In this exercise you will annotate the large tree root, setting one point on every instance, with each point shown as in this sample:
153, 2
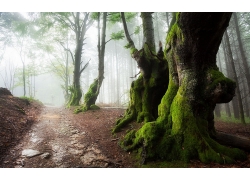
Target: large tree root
233, 140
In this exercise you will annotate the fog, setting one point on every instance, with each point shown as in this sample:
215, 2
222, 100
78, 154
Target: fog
45, 58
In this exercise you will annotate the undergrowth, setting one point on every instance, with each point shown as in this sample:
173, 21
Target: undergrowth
225, 118
30, 99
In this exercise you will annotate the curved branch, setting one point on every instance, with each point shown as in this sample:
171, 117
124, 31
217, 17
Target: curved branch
66, 49
85, 66
130, 41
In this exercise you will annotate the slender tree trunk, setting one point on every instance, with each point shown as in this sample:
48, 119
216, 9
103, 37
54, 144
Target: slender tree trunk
228, 111
230, 55
242, 53
167, 19
66, 96
231, 74
157, 27
94, 89
117, 78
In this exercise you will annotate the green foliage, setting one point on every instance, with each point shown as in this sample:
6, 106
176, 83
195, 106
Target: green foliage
94, 15
94, 107
114, 17
129, 16
225, 118
127, 46
118, 35
30, 99
137, 30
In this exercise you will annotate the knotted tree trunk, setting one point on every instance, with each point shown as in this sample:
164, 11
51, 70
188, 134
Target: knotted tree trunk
145, 92
184, 128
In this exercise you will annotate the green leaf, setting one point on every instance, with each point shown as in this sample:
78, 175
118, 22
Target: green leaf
137, 30
114, 17
117, 36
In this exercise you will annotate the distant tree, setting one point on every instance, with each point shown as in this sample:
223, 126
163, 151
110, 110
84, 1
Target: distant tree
19, 32
242, 52
79, 23
235, 78
9, 75
94, 89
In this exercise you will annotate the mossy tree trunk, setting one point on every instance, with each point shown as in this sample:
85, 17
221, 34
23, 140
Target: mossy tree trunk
94, 89
80, 28
145, 92
184, 128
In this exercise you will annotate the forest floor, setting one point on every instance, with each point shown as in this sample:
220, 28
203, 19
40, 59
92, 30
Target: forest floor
60, 138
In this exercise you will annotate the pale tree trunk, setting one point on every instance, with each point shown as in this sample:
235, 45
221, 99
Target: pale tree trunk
167, 16
230, 73
184, 128
242, 77
117, 78
242, 53
228, 111
235, 78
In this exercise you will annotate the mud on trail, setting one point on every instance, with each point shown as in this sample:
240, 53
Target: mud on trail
60, 138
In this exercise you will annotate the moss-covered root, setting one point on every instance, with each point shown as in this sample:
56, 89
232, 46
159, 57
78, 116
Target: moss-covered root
154, 145
122, 122
75, 96
186, 139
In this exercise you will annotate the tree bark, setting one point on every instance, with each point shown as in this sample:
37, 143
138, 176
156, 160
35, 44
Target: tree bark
145, 92
80, 30
94, 89
184, 128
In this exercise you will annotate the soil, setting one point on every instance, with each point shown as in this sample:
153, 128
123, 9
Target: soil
65, 139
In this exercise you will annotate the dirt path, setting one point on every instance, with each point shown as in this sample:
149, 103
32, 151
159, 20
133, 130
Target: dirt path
59, 144
59, 138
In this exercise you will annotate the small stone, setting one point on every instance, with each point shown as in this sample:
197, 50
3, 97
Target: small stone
106, 165
45, 155
74, 131
30, 153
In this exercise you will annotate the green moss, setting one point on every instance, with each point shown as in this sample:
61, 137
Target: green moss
216, 77
175, 32
75, 96
164, 107
94, 107
133, 50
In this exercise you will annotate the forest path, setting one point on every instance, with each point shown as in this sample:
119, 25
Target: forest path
56, 142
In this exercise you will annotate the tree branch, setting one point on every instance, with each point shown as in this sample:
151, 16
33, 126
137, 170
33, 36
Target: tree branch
85, 66
59, 18
66, 49
130, 41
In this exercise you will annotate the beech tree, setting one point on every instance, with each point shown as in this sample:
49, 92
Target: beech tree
79, 23
191, 85
94, 89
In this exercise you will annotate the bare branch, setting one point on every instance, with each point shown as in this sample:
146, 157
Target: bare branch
136, 75
67, 49
85, 66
